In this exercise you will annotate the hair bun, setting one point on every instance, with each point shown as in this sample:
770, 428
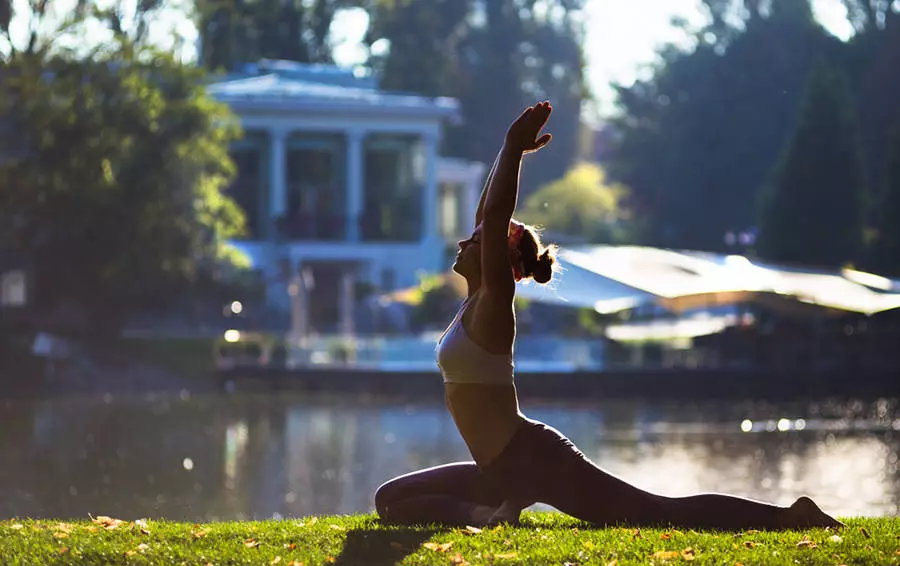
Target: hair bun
543, 271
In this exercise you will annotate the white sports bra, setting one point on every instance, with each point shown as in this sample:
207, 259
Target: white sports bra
463, 361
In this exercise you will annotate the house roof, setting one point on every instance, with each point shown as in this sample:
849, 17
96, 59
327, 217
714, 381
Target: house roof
611, 278
289, 86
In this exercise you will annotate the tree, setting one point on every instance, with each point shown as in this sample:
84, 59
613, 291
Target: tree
582, 204
887, 245
814, 211
113, 181
697, 139
495, 57
233, 32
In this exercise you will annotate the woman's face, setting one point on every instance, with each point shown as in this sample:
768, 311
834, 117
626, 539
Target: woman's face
468, 259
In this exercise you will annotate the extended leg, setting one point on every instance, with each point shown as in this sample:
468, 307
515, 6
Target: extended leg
456, 494
561, 476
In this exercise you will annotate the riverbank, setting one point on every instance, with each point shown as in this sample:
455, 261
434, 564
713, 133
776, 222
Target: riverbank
173, 365
543, 538
648, 384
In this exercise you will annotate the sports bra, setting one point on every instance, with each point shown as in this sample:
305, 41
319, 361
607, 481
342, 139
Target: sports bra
463, 361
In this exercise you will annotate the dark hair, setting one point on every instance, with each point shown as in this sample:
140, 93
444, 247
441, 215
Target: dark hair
537, 261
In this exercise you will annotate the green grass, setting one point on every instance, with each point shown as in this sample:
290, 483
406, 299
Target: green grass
543, 538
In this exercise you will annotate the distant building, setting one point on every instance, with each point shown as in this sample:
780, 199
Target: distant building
342, 182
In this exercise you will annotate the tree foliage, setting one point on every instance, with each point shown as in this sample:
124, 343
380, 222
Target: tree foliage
233, 32
494, 57
582, 204
886, 255
112, 183
697, 139
814, 213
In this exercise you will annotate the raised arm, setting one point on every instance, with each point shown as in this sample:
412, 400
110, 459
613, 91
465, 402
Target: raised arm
501, 196
479, 214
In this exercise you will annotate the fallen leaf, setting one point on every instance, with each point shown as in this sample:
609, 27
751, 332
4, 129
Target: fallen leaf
665, 536
64, 527
457, 559
106, 522
130, 553
444, 547
91, 529
330, 559
63, 549
506, 556
291, 546
275, 560
738, 564
688, 553
865, 532
575, 530
16, 527
751, 532
665, 554
571, 564
60, 534
144, 532
251, 543
338, 527
806, 543
613, 562
294, 563
472, 530
637, 534
142, 547
835, 538
198, 534
750, 543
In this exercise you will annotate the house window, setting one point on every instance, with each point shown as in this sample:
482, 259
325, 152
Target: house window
12, 289
393, 189
317, 188
246, 190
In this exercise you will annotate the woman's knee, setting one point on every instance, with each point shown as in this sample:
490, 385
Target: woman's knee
385, 495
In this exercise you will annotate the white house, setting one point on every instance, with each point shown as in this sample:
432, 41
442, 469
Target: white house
342, 183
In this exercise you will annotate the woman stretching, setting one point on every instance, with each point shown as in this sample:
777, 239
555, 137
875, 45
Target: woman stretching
520, 461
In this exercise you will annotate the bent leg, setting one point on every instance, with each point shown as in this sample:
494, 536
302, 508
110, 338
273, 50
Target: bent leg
456, 494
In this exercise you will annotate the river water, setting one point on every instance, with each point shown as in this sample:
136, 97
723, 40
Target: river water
256, 456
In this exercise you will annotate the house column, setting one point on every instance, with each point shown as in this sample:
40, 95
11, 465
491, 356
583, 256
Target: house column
430, 190
355, 185
347, 302
277, 180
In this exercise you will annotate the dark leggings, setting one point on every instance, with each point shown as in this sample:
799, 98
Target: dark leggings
540, 465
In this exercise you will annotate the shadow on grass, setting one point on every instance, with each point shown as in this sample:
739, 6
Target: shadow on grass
382, 547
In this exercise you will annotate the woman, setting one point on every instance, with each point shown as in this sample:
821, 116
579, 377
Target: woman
519, 461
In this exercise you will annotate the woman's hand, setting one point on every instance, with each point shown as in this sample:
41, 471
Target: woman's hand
522, 135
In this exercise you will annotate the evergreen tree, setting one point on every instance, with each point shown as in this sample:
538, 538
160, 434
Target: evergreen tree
814, 211
887, 246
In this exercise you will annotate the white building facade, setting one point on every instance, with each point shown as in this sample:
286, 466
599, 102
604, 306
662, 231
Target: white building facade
342, 183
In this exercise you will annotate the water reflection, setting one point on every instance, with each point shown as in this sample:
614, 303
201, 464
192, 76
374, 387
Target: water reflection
261, 456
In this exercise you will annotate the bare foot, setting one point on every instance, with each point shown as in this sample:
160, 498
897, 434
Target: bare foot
804, 514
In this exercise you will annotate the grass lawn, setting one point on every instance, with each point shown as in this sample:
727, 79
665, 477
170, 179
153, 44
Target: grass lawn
544, 538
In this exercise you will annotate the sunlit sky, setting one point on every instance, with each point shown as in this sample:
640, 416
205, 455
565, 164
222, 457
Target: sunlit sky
621, 38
